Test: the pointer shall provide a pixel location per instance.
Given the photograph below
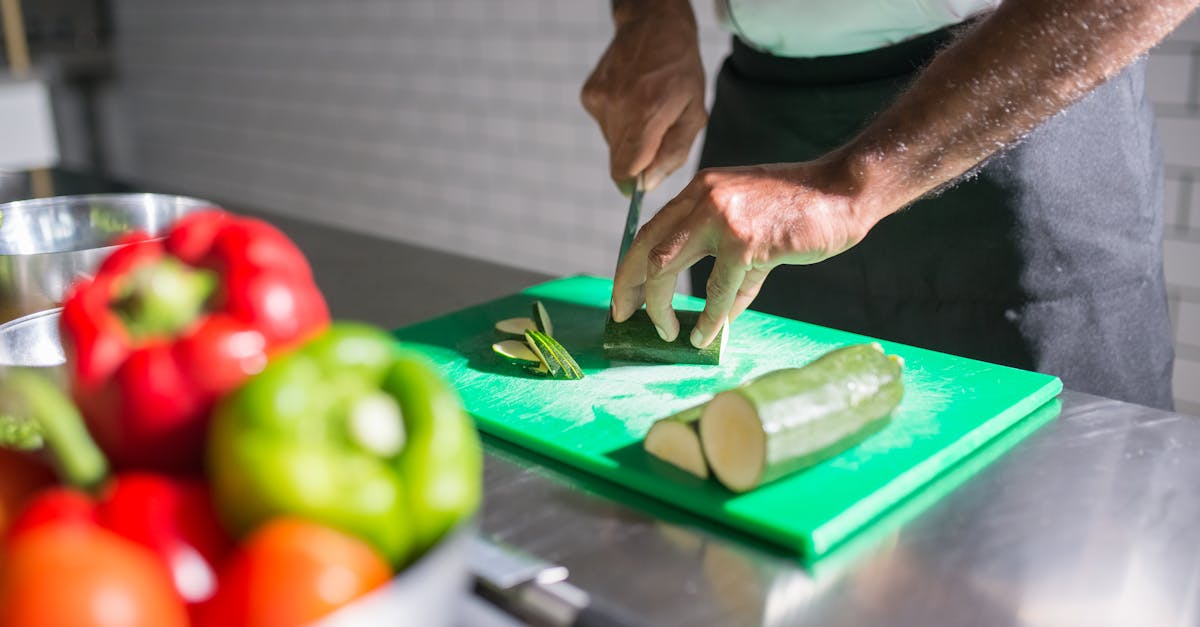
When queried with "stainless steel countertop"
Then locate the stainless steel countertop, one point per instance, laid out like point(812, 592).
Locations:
point(1094, 519)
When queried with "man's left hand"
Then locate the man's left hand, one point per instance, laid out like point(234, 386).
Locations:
point(752, 219)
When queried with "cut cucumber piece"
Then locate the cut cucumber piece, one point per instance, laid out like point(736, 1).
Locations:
point(514, 327)
point(790, 419)
point(515, 350)
point(553, 357)
point(637, 340)
point(675, 440)
point(541, 318)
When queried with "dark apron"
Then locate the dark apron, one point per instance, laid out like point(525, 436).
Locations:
point(1048, 258)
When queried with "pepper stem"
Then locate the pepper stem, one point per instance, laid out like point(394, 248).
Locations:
point(41, 415)
point(164, 297)
point(19, 434)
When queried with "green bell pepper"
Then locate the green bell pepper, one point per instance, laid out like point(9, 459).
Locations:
point(350, 431)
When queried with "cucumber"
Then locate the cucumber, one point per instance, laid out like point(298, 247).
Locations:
point(790, 419)
point(675, 440)
point(541, 318)
point(515, 350)
point(514, 327)
point(637, 340)
point(555, 359)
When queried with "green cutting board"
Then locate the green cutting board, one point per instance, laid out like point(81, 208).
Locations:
point(951, 407)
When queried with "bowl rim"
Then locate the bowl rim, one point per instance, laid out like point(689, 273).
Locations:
point(16, 323)
point(30, 317)
point(53, 200)
point(34, 204)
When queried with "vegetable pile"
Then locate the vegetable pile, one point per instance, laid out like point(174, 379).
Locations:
point(227, 455)
point(540, 353)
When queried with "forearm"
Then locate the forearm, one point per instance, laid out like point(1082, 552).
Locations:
point(628, 10)
point(1024, 63)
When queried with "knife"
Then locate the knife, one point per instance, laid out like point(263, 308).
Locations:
point(632, 216)
point(631, 224)
point(535, 590)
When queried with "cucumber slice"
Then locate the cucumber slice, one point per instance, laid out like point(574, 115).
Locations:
point(790, 419)
point(675, 440)
point(541, 318)
point(514, 327)
point(515, 350)
point(557, 361)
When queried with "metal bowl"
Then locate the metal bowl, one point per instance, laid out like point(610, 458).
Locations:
point(32, 341)
point(46, 243)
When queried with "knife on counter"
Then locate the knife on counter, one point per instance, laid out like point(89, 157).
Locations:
point(537, 591)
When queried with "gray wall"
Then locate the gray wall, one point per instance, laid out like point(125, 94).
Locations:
point(456, 124)
point(451, 123)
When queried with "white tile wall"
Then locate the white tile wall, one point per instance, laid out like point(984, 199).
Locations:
point(1175, 204)
point(456, 124)
point(1173, 84)
point(1188, 320)
point(451, 123)
point(1182, 259)
point(1187, 393)
point(1167, 77)
point(1179, 137)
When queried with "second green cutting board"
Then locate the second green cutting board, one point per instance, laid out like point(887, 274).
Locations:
point(951, 407)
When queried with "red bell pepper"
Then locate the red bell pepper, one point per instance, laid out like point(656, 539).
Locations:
point(168, 326)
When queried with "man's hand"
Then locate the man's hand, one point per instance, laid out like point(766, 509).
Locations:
point(647, 92)
point(752, 219)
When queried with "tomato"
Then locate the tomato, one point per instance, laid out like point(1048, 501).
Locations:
point(85, 576)
point(20, 476)
point(292, 572)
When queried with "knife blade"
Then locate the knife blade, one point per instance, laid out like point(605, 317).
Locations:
point(632, 216)
point(535, 590)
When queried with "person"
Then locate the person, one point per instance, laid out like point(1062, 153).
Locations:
point(970, 176)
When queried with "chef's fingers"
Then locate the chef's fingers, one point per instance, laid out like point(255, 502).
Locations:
point(749, 291)
point(723, 284)
point(630, 277)
point(640, 137)
point(673, 254)
point(676, 144)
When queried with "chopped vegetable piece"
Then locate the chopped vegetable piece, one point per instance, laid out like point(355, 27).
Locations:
point(790, 419)
point(515, 327)
point(515, 350)
point(675, 440)
point(541, 318)
point(557, 361)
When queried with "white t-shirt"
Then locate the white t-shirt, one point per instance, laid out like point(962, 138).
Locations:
point(815, 28)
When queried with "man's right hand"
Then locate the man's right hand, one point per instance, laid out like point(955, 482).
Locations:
point(647, 91)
